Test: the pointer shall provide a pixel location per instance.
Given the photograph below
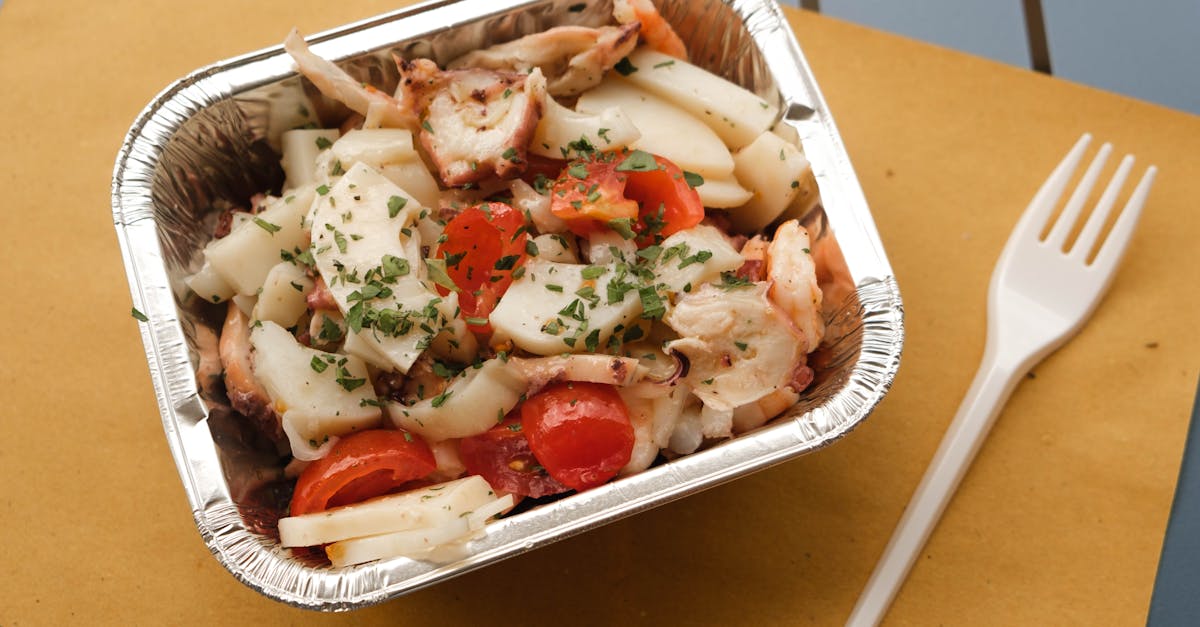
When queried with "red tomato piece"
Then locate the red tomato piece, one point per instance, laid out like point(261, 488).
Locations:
point(361, 466)
point(590, 193)
point(580, 432)
point(484, 244)
point(665, 187)
point(501, 456)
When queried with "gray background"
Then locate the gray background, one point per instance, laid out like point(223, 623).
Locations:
point(1148, 50)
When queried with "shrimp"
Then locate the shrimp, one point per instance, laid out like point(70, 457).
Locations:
point(656, 32)
point(377, 107)
point(792, 274)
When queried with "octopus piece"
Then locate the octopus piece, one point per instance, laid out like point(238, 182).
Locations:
point(475, 123)
point(246, 394)
point(792, 274)
point(740, 346)
point(378, 108)
point(656, 32)
point(542, 371)
point(573, 58)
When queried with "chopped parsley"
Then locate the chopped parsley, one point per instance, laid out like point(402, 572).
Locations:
point(267, 226)
point(624, 67)
point(137, 315)
point(638, 161)
point(438, 274)
point(395, 204)
point(623, 226)
point(592, 272)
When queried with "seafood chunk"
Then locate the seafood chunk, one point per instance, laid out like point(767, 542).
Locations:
point(573, 58)
point(378, 107)
point(740, 346)
point(246, 394)
point(479, 122)
point(656, 32)
point(792, 274)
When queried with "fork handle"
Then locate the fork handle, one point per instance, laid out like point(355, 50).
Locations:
point(993, 383)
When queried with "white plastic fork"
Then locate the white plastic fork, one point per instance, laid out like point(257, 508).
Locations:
point(1038, 298)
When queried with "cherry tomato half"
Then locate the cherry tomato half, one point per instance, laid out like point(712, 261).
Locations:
point(361, 466)
point(580, 432)
point(484, 244)
point(501, 455)
point(589, 193)
point(664, 187)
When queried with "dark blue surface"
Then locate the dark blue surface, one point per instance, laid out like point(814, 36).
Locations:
point(1176, 599)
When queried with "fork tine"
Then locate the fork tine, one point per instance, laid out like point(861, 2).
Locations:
point(1087, 237)
point(1122, 232)
point(1042, 205)
point(1070, 213)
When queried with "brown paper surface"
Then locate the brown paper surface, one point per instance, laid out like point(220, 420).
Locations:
point(1059, 521)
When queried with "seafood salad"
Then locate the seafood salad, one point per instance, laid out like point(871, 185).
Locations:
point(532, 271)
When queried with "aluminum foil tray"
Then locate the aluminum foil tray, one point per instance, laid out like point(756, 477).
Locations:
point(209, 139)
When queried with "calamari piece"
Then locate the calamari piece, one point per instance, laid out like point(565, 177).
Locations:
point(573, 58)
point(246, 394)
point(792, 274)
point(477, 122)
point(739, 345)
point(656, 32)
point(377, 107)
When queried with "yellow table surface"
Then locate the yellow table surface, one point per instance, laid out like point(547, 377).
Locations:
point(1060, 520)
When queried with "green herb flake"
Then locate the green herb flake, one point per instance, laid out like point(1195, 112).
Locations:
point(393, 266)
point(440, 399)
point(506, 262)
point(624, 67)
point(592, 341)
point(267, 226)
point(652, 305)
point(395, 204)
point(592, 272)
point(579, 171)
point(438, 274)
point(664, 64)
point(323, 189)
point(511, 155)
point(554, 288)
point(425, 125)
point(623, 226)
point(318, 364)
point(638, 161)
point(330, 331)
point(323, 143)
point(693, 180)
point(137, 315)
point(741, 345)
